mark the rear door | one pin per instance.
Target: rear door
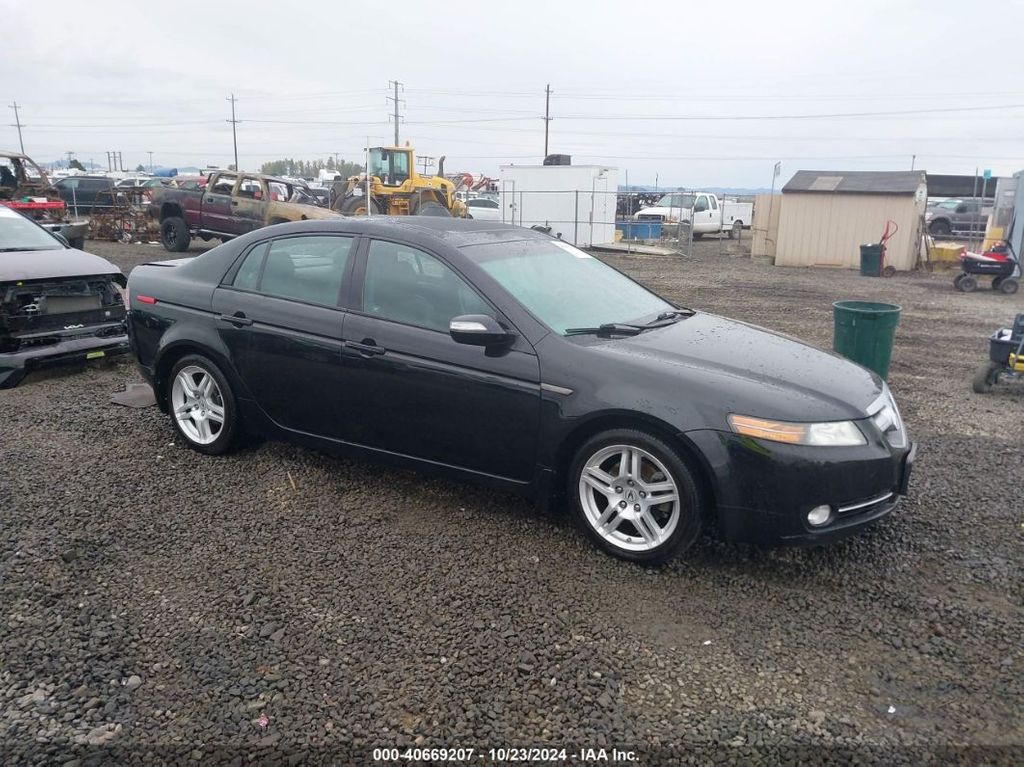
(279, 314)
(250, 203)
(412, 390)
(217, 208)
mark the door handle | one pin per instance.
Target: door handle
(238, 319)
(368, 348)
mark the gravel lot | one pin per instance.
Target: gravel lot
(278, 602)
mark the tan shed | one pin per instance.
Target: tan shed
(827, 215)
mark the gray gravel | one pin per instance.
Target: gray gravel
(278, 602)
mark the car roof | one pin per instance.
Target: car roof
(453, 232)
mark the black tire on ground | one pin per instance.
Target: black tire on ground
(174, 234)
(1009, 286)
(697, 236)
(356, 206)
(986, 377)
(996, 282)
(735, 230)
(889, 271)
(956, 280)
(78, 243)
(691, 503)
(939, 228)
(968, 283)
(231, 430)
(432, 209)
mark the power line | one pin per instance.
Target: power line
(795, 117)
(234, 124)
(547, 116)
(17, 124)
(397, 115)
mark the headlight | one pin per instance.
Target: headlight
(831, 434)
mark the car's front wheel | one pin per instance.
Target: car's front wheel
(634, 496)
(202, 405)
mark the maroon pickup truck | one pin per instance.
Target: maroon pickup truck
(228, 205)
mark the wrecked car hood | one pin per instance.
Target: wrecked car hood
(23, 265)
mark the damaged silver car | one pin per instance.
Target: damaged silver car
(57, 304)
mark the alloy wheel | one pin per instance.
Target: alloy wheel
(629, 497)
(197, 405)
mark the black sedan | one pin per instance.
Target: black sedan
(507, 357)
(57, 304)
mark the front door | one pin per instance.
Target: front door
(414, 391)
(281, 320)
(217, 209)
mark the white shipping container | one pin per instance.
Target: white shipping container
(576, 201)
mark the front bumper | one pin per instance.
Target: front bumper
(15, 365)
(764, 490)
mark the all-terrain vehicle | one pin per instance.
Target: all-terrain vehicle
(1005, 357)
(1000, 263)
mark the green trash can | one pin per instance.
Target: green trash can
(863, 331)
(871, 260)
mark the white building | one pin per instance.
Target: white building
(576, 201)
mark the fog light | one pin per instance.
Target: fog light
(819, 515)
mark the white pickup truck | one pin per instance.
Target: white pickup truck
(708, 213)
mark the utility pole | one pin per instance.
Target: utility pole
(234, 123)
(913, 159)
(427, 162)
(547, 115)
(17, 124)
(397, 117)
(150, 153)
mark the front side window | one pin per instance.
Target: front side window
(563, 286)
(224, 185)
(675, 201)
(309, 269)
(406, 285)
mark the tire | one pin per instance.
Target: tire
(968, 283)
(996, 282)
(1009, 286)
(356, 206)
(432, 209)
(697, 235)
(670, 527)
(986, 377)
(940, 228)
(202, 408)
(174, 234)
(78, 243)
(735, 230)
(957, 279)
(889, 271)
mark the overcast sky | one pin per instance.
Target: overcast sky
(695, 93)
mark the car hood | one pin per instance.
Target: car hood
(741, 368)
(20, 265)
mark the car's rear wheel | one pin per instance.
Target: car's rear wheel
(634, 496)
(736, 230)
(1009, 286)
(202, 405)
(174, 234)
(939, 228)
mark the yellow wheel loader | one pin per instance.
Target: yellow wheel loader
(396, 189)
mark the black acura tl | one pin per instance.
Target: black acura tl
(506, 357)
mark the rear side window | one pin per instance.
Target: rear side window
(309, 269)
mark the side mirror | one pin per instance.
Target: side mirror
(478, 330)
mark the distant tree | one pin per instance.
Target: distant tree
(76, 165)
(140, 168)
(310, 168)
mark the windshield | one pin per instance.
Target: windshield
(675, 201)
(18, 233)
(563, 286)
